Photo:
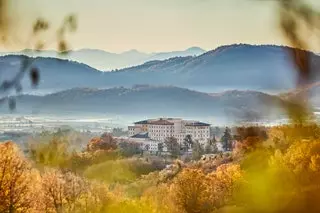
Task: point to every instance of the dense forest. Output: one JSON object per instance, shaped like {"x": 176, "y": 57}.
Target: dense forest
{"x": 277, "y": 172}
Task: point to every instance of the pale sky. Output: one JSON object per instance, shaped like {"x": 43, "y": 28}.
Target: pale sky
{"x": 157, "y": 25}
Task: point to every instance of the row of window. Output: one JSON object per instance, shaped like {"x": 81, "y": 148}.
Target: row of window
{"x": 203, "y": 132}
{"x": 160, "y": 136}
{"x": 161, "y": 126}
{"x": 199, "y": 136}
{"x": 161, "y": 131}
{"x": 196, "y": 127}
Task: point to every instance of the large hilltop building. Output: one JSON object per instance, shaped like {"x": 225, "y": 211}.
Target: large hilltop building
{"x": 160, "y": 129}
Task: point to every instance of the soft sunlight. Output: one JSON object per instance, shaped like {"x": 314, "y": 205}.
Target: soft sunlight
{"x": 149, "y": 106}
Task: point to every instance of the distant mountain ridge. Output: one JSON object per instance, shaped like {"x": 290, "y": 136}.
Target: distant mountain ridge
{"x": 107, "y": 61}
{"x": 241, "y": 67}
{"x": 192, "y": 51}
{"x": 154, "y": 101}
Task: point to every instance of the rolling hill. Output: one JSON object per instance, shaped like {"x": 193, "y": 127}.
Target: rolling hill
{"x": 242, "y": 67}
{"x": 107, "y": 61}
{"x": 154, "y": 101}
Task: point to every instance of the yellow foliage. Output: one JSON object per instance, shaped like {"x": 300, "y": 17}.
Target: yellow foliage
{"x": 51, "y": 151}
{"x": 18, "y": 181}
{"x": 110, "y": 172}
{"x": 67, "y": 192}
{"x": 283, "y": 179}
{"x": 191, "y": 192}
{"x": 290, "y": 133}
{"x": 161, "y": 198}
{"x": 131, "y": 206}
{"x": 194, "y": 191}
{"x": 303, "y": 160}
{"x": 287, "y": 181}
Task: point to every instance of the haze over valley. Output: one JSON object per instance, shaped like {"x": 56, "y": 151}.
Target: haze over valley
{"x": 159, "y": 106}
{"x": 108, "y": 61}
{"x": 203, "y": 85}
{"x": 261, "y": 68}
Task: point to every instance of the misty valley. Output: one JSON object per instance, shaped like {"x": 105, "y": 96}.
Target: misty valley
{"x": 171, "y": 106}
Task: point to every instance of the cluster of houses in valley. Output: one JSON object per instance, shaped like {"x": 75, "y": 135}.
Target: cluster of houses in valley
{"x": 150, "y": 133}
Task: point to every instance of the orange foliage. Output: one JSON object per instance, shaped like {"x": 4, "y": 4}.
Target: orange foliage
{"x": 105, "y": 142}
{"x": 194, "y": 191}
{"x": 18, "y": 182}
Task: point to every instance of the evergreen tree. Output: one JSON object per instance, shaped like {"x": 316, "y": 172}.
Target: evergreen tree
{"x": 160, "y": 148}
{"x": 215, "y": 149}
{"x": 213, "y": 140}
{"x": 211, "y": 146}
{"x": 227, "y": 139}
{"x": 128, "y": 149}
{"x": 208, "y": 148}
{"x": 187, "y": 143}
{"x": 172, "y": 146}
{"x": 197, "y": 151}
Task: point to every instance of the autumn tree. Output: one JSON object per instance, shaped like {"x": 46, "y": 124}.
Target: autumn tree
{"x": 194, "y": 191}
{"x": 105, "y": 142}
{"x": 191, "y": 193}
{"x": 52, "y": 151}
{"x": 67, "y": 192}
{"x": 160, "y": 197}
{"x": 293, "y": 172}
{"x": 53, "y": 187}
{"x": 225, "y": 182}
{"x": 299, "y": 169}
{"x": 18, "y": 181}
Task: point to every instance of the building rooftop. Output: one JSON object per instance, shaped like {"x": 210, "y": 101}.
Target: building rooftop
{"x": 197, "y": 124}
{"x": 170, "y": 121}
{"x": 142, "y": 122}
{"x": 141, "y": 135}
{"x": 161, "y": 122}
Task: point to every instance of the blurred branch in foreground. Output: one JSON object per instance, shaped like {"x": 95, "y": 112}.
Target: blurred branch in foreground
{"x": 298, "y": 20}
{"x": 41, "y": 25}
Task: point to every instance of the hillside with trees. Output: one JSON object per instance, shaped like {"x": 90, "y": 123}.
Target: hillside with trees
{"x": 51, "y": 177}
{"x": 155, "y": 101}
{"x": 262, "y": 68}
